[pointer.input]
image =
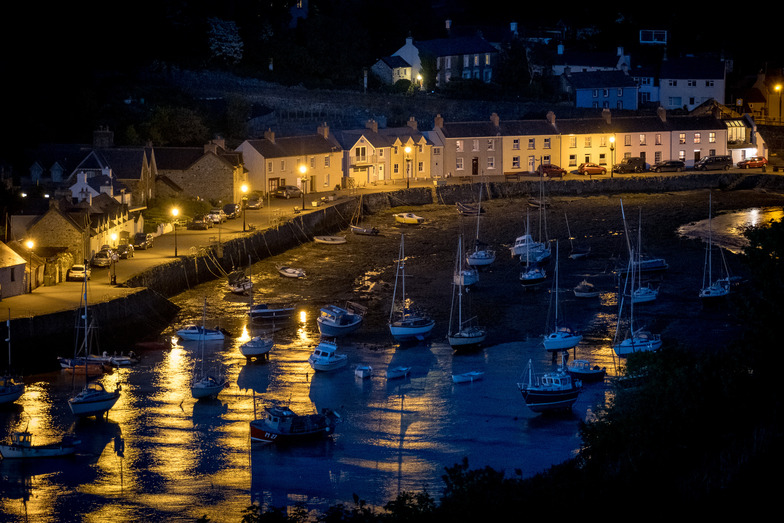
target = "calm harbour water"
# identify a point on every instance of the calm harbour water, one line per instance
(162, 456)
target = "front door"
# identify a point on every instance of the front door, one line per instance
(475, 165)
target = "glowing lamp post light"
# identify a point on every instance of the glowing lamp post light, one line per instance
(302, 171)
(30, 246)
(244, 190)
(408, 165)
(175, 212)
(612, 155)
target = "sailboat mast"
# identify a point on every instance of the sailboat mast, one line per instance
(710, 239)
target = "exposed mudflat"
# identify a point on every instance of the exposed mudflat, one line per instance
(363, 269)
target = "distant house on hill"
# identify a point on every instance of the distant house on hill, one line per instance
(391, 69)
(602, 89)
(463, 57)
(685, 83)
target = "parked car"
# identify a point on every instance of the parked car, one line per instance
(550, 170)
(101, 259)
(254, 203)
(288, 191)
(713, 162)
(591, 168)
(669, 165)
(125, 251)
(108, 249)
(232, 210)
(77, 272)
(752, 162)
(217, 216)
(200, 223)
(142, 241)
(632, 164)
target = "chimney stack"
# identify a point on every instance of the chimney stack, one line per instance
(607, 116)
(412, 123)
(269, 134)
(372, 125)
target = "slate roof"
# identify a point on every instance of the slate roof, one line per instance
(600, 79)
(586, 59)
(692, 68)
(455, 46)
(126, 163)
(294, 146)
(9, 257)
(395, 62)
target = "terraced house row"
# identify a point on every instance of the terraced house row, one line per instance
(327, 159)
(494, 147)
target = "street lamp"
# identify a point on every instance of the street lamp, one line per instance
(244, 190)
(778, 90)
(175, 212)
(408, 165)
(304, 179)
(612, 155)
(30, 246)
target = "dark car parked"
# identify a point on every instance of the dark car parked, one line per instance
(142, 241)
(632, 164)
(200, 223)
(288, 191)
(669, 165)
(253, 203)
(125, 251)
(232, 210)
(707, 163)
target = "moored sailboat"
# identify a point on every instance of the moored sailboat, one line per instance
(204, 384)
(405, 323)
(713, 289)
(562, 337)
(466, 333)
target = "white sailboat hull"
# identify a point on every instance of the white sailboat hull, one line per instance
(411, 329)
(93, 404)
(257, 346)
(561, 341)
(467, 337)
(640, 342)
(480, 258)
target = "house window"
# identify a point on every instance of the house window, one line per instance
(532, 143)
(420, 166)
(619, 104)
(326, 161)
(620, 92)
(572, 141)
(459, 146)
(516, 144)
(269, 165)
(491, 145)
(466, 61)
(546, 143)
(602, 141)
(326, 180)
(627, 140)
(491, 162)
(572, 160)
(602, 159)
(682, 138)
(697, 138)
(711, 137)
(596, 93)
(515, 162)
(682, 155)
(709, 83)
(657, 156)
(658, 139)
(476, 60)
(691, 83)
(672, 83)
(394, 149)
(474, 145)
(587, 142)
(381, 153)
(283, 165)
(436, 151)
(487, 59)
(395, 168)
(448, 60)
(642, 139)
(313, 162)
(605, 92)
(459, 164)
